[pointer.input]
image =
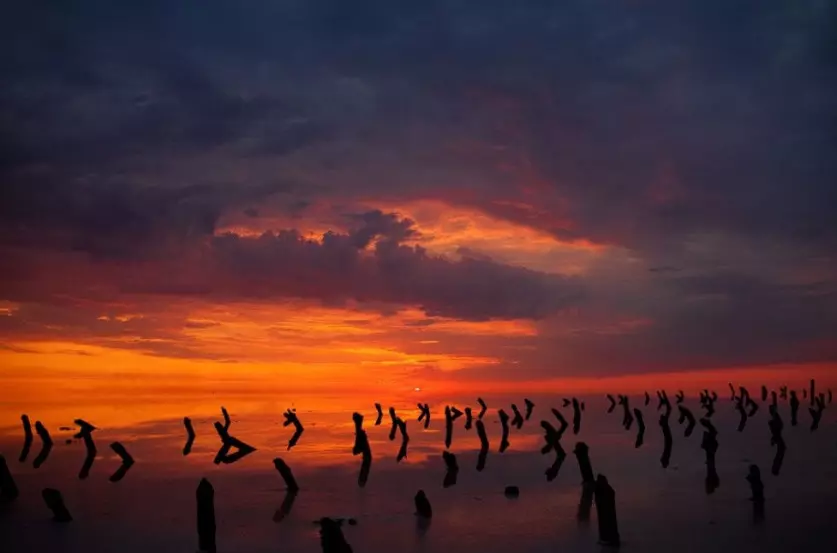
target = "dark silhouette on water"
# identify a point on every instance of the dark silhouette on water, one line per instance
(8, 488)
(739, 406)
(529, 407)
(394, 427)
(816, 413)
(455, 413)
(731, 391)
(286, 474)
(469, 418)
(517, 420)
(627, 417)
(640, 423)
(667, 440)
(451, 469)
(55, 503)
(227, 443)
(576, 417)
(813, 393)
(783, 392)
(562, 421)
(606, 512)
(380, 414)
(483, 408)
(405, 439)
(686, 415)
(332, 539)
(448, 427)
(679, 397)
(756, 485)
(205, 496)
(190, 436)
(292, 419)
(27, 438)
(662, 399)
(647, 399)
(504, 422)
(362, 448)
(612, 403)
(227, 421)
(804, 393)
(776, 426)
(783, 389)
(553, 443)
(582, 454)
(794, 406)
(423, 507)
(754, 407)
(86, 434)
(585, 502)
(830, 397)
(708, 403)
(484, 445)
(46, 445)
(512, 492)
(425, 414)
(127, 462)
(709, 444)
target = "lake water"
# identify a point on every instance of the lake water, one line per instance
(153, 508)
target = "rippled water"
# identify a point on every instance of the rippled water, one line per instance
(153, 508)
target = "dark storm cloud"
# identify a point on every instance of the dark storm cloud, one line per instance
(697, 135)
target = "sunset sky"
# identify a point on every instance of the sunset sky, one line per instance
(316, 195)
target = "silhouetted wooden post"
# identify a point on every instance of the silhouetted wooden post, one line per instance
(55, 503)
(190, 436)
(8, 488)
(27, 438)
(286, 474)
(606, 512)
(582, 453)
(206, 517)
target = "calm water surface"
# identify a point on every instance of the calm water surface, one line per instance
(153, 508)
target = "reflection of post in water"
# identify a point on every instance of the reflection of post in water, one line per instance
(529, 407)
(794, 406)
(816, 413)
(86, 434)
(710, 445)
(380, 414)
(448, 427)
(285, 508)
(504, 422)
(757, 489)
(27, 438)
(582, 454)
(686, 415)
(469, 418)
(405, 439)
(483, 408)
(394, 427)
(127, 461)
(46, 444)
(361, 447)
(8, 488)
(484, 445)
(585, 502)
(667, 440)
(292, 418)
(451, 469)
(739, 406)
(576, 417)
(205, 496)
(640, 423)
(627, 418)
(55, 503)
(606, 512)
(776, 426)
(190, 436)
(553, 443)
(517, 420)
